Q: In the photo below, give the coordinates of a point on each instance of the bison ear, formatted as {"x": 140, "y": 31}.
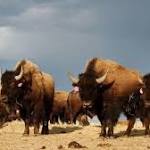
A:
{"x": 73, "y": 79}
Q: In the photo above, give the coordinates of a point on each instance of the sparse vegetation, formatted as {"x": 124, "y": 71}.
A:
{"x": 11, "y": 138}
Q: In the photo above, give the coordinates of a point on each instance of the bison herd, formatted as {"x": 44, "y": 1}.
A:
{"x": 104, "y": 89}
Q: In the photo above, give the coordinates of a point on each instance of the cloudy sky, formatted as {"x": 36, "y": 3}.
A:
{"x": 61, "y": 35}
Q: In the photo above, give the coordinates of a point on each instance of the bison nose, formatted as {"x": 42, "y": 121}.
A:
{"x": 12, "y": 117}
{"x": 87, "y": 105}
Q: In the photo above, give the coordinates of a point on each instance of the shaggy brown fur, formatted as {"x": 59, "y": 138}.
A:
{"x": 33, "y": 93}
{"x": 142, "y": 107}
{"x": 59, "y": 105}
{"x": 66, "y": 109}
{"x": 107, "y": 101}
{"x": 75, "y": 110}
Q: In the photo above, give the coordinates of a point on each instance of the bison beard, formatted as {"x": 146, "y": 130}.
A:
{"x": 33, "y": 91}
{"x": 105, "y": 86}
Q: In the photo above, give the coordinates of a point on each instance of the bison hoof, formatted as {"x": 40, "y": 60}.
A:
{"x": 127, "y": 134}
{"x": 36, "y": 134}
{"x": 25, "y": 133}
{"x": 45, "y": 131}
{"x": 147, "y": 133}
{"x": 147, "y": 136}
{"x": 111, "y": 136}
{"x": 102, "y": 135}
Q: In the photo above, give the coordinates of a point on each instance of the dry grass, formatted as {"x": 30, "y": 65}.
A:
{"x": 11, "y": 138}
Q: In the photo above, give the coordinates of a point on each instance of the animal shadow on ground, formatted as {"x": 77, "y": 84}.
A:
{"x": 134, "y": 133}
{"x": 61, "y": 130}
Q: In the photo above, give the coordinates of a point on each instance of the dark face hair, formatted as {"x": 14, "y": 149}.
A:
{"x": 3, "y": 113}
{"x": 146, "y": 79}
{"x": 9, "y": 85}
{"x": 133, "y": 103}
{"x": 88, "y": 87}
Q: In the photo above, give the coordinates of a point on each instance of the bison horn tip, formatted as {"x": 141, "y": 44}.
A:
{"x": 73, "y": 78}
{"x": 18, "y": 77}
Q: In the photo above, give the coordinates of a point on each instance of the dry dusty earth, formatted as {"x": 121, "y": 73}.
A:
{"x": 11, "y": 138}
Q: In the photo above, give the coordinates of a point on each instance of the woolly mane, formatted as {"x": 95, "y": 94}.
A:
{"x": 27, "y": 66}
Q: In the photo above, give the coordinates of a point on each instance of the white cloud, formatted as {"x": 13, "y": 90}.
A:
{"x": 45, "y": 29}
{"x": 5, "y": 37}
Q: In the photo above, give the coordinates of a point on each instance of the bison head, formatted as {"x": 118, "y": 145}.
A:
{"x": 13, "y": 85}
{"x": 90, "y": 87}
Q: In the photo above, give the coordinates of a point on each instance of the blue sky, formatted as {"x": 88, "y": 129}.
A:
{"x": 61, "y": 35}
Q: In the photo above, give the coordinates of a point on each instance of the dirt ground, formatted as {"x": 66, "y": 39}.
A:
{"x": 60, "y": 136}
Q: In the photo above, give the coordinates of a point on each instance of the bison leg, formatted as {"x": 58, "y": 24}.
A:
{"x": 36, "y": 128}
{"x": 51, "y": 119}
{"x": 131, "y": 123}
{"x": 110, "y": 129}
{"x": 103, "y": 126}
{"x": 76, "y": 115}
{"x": 68, "y": 117}
{"x": 26, "y": 117}
{"x": 142, "y": 120}
{"x": 47, "y": 111}
{"x": 45, "y": 127}
{"x": 56, "y": 119}
{"x": 45, "y": 124}
{"x": 103, "y": 130}
{"x": 61, "y": 117}
{"x": 36, "y": 124}
{"x": 26, "y": 130}
{"x": 37, "y": 119}
{"x": 146, "y": 123}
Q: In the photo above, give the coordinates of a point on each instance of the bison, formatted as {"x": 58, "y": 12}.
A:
{"x": 67, "y": 108}
{"x": 75, "y": 109}
{"x": 59, "y": 106}
{"x": 138, "y": 106}
{"x": 105, "y": 86}
{"x": 32, "y": 90}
